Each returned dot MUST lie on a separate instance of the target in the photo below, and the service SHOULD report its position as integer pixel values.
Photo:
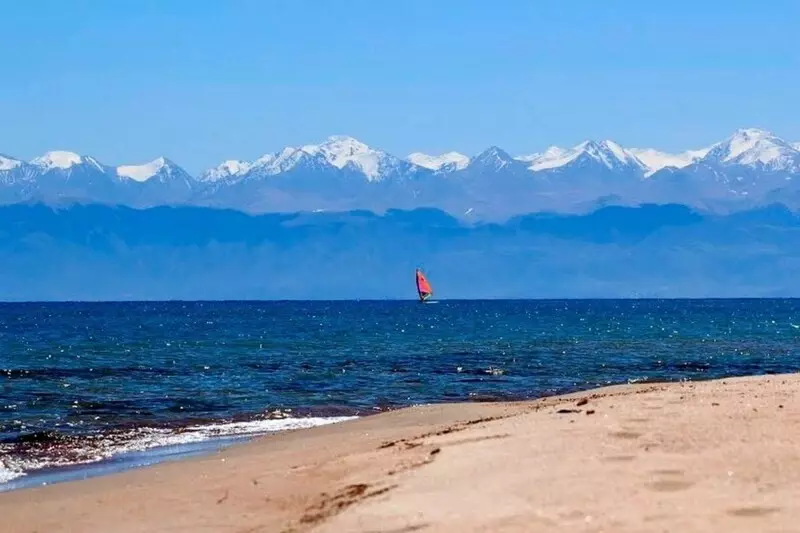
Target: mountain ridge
(102, 252)
(749, 168)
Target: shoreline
(151, 445)
(117, 451)
(172, 447)
(119, 463)
(690, 456)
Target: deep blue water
(73, 372)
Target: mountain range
(98, 252)
(750, 168)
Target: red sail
(423, 287)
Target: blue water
(76, 376)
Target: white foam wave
(143, 439)
(7, 474)
(151, 438)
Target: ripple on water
(79, 370)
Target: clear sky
(200, 82)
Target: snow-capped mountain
(141, 173)
(67, 176)
(9, 163)
(67, 166)
(160, 169)
(606, 153)
(450, 161)
(492, 159)
(655, 160)
(286, 160)
(159, 181)
(63, 160)
(341, 172)
(757, 149)
(342, 152)
(14, 176)
(227, 170)
(539, 161)
(337, 152)
(749, 167)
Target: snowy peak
(63, 160)
(9, 163)
(226, 170)
(610, 154)
(283, 161)
(757, 148)
(655, 160)
(447, 161)
(553, 157)
(552, 153)
(748, 142)
(607, 153)
(161, 168)
(342, 173)
(493, 158)
(57, 159)
(337, 152)
(341, 151)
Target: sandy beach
(705, 456)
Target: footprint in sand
(625, 434)
(669, 485)
(755, 511)
(671, 480)
(478, 439)
(406, 529)
(619, 458)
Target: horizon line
(408, 300)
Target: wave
(50, 449)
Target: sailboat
(424, 290)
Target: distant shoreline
(410, 300)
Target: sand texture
(710, 456)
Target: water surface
(84, 381)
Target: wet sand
(711, 456)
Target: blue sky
(200, 82)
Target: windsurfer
(424, 290)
